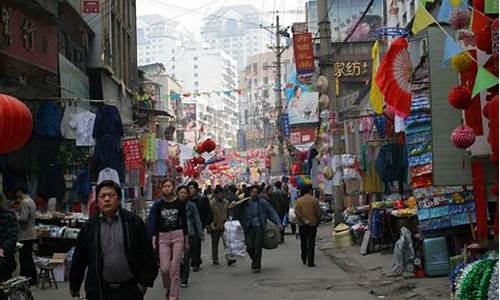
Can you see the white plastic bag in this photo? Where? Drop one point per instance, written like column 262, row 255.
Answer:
column 234, row 238
column 292, row 217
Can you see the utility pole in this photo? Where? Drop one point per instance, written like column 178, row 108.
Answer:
column 326, row 69
column 278, row 50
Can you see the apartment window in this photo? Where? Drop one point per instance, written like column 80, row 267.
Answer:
column 195, row 75
column 266, row 80
column 195, row 67
column 196, row 83
column 265, row 93
column 195, row 58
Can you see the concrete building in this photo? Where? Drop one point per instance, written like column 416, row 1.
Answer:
column 236, row 30
column 212, row 73
column 112, row 66
column 162, row 40
column 257, row 114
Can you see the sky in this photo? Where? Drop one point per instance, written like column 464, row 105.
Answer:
column 191, row 12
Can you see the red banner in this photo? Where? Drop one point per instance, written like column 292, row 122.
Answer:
column 303, row 53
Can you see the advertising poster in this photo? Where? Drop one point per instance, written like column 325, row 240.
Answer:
column 189, row 123
column 344, row 16
column 303, row 53
column 303, row 107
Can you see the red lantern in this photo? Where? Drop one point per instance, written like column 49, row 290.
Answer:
column 179, row 169
column 199, row 160
column 16, row 123
column 207, row 146
column 463, row 137
column 483, row 39
column 460, row 97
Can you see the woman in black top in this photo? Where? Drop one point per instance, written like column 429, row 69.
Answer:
column 169, row 226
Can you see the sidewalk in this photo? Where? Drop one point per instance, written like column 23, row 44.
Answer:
column 373, row 273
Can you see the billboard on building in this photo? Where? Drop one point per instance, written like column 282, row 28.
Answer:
column 189, row 123
column 303, row 107
column 303, row 137
column 344, row 15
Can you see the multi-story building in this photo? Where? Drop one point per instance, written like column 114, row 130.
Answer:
column 236, row 30
column 112, row 67
column 257, row 112
column 214, row 74
column 400, row 13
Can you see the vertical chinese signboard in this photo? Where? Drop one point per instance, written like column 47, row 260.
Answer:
column 303, row 53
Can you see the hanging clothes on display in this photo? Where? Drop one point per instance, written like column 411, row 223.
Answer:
column 132, row 153
column 108, row 131
column 371, row 180
column 392, row 165
column 83, row 123
column 67, row 131
column 48, row 120
column 82, row 186
column 50, row 175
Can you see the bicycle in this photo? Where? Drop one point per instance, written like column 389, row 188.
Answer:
column 17, row 288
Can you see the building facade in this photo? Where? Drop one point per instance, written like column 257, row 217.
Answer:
column 236, row 30
column 214, row 74
column 257, row 114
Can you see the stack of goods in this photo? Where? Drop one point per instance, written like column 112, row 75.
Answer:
column 446, row 206
column 475, row 280
column 418, row 140
column 342, row 236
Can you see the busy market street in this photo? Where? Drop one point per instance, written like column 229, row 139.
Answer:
column 249, row 149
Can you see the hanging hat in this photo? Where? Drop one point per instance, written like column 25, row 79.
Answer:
column 322, row 84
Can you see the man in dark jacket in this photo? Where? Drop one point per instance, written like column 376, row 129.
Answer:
column 8, row 239
column 114, row 250
column 253, row 215
column 204, row 210
column 281, row 204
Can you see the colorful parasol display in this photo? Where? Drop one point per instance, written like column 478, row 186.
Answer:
column 394, row 77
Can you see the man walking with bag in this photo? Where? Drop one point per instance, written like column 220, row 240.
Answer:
column 253, row 214
column 219, row 206
column 308, row 213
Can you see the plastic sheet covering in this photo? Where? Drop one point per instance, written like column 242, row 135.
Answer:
column 404, row 253
column 235, row 238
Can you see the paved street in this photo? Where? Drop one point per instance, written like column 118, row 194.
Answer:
column 283, row 277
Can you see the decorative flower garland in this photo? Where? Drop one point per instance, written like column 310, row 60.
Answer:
column 475, row 280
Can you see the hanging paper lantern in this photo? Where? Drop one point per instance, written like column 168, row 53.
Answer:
column 199, row 160
column 463, row 137
column 460, row 97
column 459, row 18
column 207, row 146
column 328, row 173
column 179, row 169
column 16, row 123
column 483, row 39
column 461, row 62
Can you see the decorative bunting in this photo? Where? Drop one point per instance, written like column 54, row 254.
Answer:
column 444, row 11
column 484, row 80
column 376, row 98
column 451, row 48
column 422, row 19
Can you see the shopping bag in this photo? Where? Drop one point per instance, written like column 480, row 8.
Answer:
column 272, row 236
column 234, row 238
column 292, row 217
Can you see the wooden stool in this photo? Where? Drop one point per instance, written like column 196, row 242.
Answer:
column 46, row 274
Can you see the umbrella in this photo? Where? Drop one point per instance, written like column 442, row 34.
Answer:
column 394, row 77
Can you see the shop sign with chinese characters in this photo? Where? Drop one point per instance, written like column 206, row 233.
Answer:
column 303, row 53
column 28, row 38
column 350, row 68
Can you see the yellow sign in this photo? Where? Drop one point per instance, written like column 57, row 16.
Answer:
column 350, row 68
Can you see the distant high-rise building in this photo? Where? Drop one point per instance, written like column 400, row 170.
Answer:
column 236, row 30
column 213, row 75
column 161, row 40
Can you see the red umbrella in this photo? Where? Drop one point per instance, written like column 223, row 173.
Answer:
column 394, row 77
